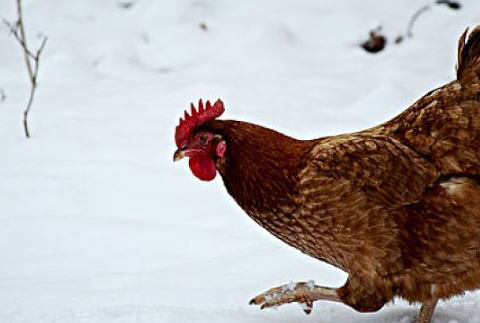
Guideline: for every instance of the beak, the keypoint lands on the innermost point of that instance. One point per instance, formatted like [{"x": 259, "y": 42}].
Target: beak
[{"x": 179, "y": 154}]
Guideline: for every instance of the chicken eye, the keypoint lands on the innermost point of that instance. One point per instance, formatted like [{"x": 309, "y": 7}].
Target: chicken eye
[{"x": 203, "y": 137}]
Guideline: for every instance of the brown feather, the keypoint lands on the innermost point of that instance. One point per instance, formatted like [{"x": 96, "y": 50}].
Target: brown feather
[{"x": 468, "y": 66}]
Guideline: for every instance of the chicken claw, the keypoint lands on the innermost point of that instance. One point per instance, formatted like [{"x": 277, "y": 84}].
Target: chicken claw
[{"x": 303, "y": 293}]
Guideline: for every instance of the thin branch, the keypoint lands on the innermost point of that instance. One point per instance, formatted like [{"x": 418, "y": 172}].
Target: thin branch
[
  {"x": 18, "y": 31},
  {"x": 451, "y": 4},
  {"x": 14, "y": 31},
  {"x": 3, "y": 96},
  {"x": 21, "y": 28},
  {"x": 414, "y": 19},
  {"x": 37, "y": 60}
]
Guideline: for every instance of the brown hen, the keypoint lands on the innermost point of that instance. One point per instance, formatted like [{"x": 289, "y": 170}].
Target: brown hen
[{"x": 396, "y": 206}]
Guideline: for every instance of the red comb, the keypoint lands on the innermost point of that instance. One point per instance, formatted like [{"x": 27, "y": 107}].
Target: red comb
[{"x": 186, "y": 126}]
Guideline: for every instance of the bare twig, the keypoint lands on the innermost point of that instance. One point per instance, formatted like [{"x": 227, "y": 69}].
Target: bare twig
[
  {"x": 414, "y": 19},
  {"x": 451, "y": 4},
  {"x": 400, "y": 38},
  {"x": 32, "y": 60}
]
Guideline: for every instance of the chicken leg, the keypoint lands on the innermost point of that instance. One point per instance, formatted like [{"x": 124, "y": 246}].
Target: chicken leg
[
  {"x": 307, "y": 293},
  {"x": 303, "y": 293},
  {"x": 426, "y": 311}
]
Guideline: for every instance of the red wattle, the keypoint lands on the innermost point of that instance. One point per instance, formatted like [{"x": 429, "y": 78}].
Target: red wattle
[{"x": 203, "y": 167}]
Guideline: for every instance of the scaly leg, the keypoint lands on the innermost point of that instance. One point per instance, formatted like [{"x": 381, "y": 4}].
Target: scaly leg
[
  {"x": 426, "y": 312},
  {"x": 303, "y": 293}
]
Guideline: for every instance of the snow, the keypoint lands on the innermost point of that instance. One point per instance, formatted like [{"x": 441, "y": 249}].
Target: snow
[
  {"x": 289, "y": 287},
  {"x": 98, "y": 224}
]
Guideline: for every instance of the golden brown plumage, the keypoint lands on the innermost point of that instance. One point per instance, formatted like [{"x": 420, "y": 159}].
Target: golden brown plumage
[{"x": 396, "y": 206}]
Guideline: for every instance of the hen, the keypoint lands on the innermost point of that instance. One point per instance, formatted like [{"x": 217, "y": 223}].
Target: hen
[{"x": 396, "y": 206}]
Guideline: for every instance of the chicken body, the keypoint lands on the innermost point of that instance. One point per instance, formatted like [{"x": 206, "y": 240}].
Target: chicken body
[
  {"x": 365, "y": 203},
  {"x": 396, "y": 206}
]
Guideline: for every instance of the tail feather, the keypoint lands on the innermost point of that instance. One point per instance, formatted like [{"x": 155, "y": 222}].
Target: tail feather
[{"x": 468, "y": 66}]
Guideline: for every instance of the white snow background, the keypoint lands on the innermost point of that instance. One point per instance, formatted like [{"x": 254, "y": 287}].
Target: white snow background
[{"x": 97, "y": 224}]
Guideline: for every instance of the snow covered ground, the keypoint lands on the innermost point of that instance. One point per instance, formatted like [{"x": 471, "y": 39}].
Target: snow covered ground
[{"x": 96, "y": 222}]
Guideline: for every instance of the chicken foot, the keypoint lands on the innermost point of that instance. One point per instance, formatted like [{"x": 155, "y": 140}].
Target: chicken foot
[
  {"x": 303, "y": 293},
  {"x": 426, "y": 311}
]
